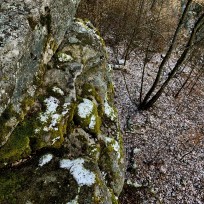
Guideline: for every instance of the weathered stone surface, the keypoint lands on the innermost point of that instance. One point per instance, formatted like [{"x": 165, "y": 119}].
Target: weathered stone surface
[
  {"x": 60, "y": 139},
  {"x": 30, "y": 33}
]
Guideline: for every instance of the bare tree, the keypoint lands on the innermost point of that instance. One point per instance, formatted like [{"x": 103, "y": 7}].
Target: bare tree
[{"x": 148, "y": 102}]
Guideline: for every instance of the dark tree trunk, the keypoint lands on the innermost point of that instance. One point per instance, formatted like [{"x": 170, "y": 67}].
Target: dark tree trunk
[
  {"x": 166, "y": 58},
  {"x": 179, "y": 62}
]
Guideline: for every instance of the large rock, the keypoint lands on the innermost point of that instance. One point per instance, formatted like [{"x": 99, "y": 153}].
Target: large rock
[
  {"x": 30, "y": 33},
  {"x": 59, "y": 136}
]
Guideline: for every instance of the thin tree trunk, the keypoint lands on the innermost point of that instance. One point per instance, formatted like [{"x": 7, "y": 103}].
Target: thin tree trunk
[
  {"x": 197, "y": 78},
  {"x": 167, "y": 56},
  {"x": 146, "y": 58},
  {"x": 185, "y": 82},
  {"x": 178, "y": 64},
  {"x": 132, "y": 37},
  {"x": 143, "y": 69},
  {"x": 128, "y": 46}
]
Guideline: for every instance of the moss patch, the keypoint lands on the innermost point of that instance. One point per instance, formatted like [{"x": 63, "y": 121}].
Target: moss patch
[
  {"x": 7, "y": 121},
  {"x": 90, "y": 92},
  {"x": 10, "y": 183},
  {"x": 17, "y": 145},
  {"x": 32, "y": 134}
]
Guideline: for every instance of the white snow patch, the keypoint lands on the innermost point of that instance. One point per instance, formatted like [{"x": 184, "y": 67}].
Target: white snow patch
[
  {"x": 45, "y": 159},
  {"x": 110, "y": 67},
  {"x": 55, "y": 140},
  {"x": 136, "y": 151},
  {"x": 58, "y": 90},
  {"x": 65, "y": 108},
  {"x": 31, "y": 90},
  {"x": 65, "y": 112},
  {"x": 108, "y": 140},
  {"x": 121, "y": 62},
  {"x": 104, "y": 176},
  {"x": 66, "y": 105},
  {"x": 2, "y": 91},
  {"x": 85, "y": 108},
  {"x": 83, "y": 28},
  {"x": 55, "y": 119},
  {"x": 51, "y": 104},
  {"x": 81, "y": 175},
  {"x": 75, "y": 201},
  {"x": 93, "y": 122},
  {"x": 37, "y": 130},
  {"x": 46, "y": 129},
  {"x": 109, "y": 110},
  {"x": 135, "y": 184},
  {"x": 116, "y": 147}
]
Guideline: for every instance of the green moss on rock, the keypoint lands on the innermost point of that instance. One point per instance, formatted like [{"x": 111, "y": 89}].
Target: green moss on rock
[
  {"x": 10, "y": 184},
  {"x": 67, "y": 118},
  {"x": 8, "y": 119},
  {"x": 89, "y": 91},
  {"x": 18, "y": 145}
]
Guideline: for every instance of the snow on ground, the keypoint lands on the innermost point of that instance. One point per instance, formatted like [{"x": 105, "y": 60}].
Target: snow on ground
[{"x": 164, "y": 145}]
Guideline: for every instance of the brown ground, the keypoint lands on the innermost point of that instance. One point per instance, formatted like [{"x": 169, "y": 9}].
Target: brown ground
[{"x": 165, "y": 145}]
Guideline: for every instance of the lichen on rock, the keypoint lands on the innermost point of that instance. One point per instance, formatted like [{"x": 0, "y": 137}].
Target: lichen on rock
[{"x": 59, "y": 128}]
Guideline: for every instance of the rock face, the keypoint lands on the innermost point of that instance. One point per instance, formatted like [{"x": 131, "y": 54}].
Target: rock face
[{"x": 59, "y": 136}]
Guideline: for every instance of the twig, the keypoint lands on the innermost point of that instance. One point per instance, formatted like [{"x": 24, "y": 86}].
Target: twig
[{"x": 188, "y": 152}]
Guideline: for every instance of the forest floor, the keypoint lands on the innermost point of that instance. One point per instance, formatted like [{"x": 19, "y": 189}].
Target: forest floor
[{"x": 165, "y": 145}]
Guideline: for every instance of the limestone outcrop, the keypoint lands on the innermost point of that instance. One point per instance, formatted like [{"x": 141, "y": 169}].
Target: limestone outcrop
[{"x": 60, "y": 140}]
